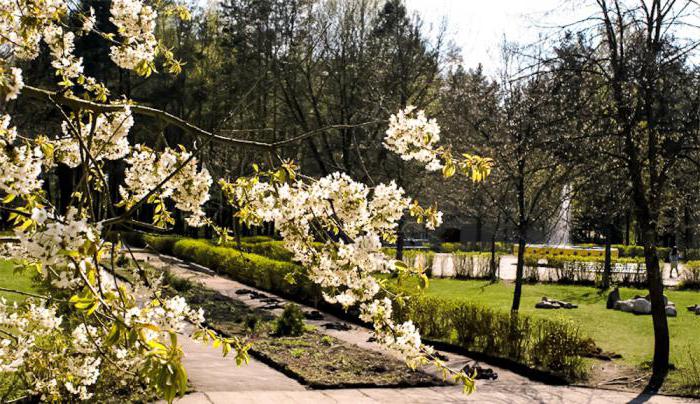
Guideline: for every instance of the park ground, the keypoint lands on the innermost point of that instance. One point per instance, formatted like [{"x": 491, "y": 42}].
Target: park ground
[{"x": 614, "y": 331}]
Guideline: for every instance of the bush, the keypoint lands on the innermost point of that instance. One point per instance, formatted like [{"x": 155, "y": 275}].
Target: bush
[
  {"x": 551, "y": 345},
  {"x": 131, "y": 238},
  {"x": 291, "y": 322},
  {"x": 474, "y": 265},
  {"x": 252, "y": 269},
  {"x": 271, "y": 249},
  {"x": 637, "y": 251},
  {"x": 256, "y": 239},
  {"x": 162, "y": 244},
  {"x": 584, "y": 270},
  {"x": 690, "y": 277},
  {"x": 691, "y": 254},
  {"x": 501, "y": 247}
]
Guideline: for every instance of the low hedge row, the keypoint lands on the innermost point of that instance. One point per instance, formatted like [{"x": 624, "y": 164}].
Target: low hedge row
[
  {"x": 690, "y": 277},
  {"x": 551, "y": 345},
  {"x": 251, "y": 269},
  {"x": 271, "y": 249}
]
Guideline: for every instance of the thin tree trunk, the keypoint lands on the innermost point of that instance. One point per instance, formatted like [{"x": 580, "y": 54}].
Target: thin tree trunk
[
  {"x": 658, "y": 312},
  {"x": 519, "y": 274},
  {"x": 607, "y": 271},
  {"x": 400, "y": 239},
  {"x": 494, "y": 269}
]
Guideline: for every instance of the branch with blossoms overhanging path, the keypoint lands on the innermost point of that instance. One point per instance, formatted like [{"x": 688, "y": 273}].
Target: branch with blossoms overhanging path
[{"x": 93, "y": 329}]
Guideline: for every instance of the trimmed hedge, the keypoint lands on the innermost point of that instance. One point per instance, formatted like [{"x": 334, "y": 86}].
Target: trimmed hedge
[
  {"x": 551, "y": 345},
  {"x": 271, "y": 249},
  {"x": 637, "y": 251},
  {"x": 252, "y": 269},
  {"x": 690, "y": 277},
  {"x": 584, "y": 270}
]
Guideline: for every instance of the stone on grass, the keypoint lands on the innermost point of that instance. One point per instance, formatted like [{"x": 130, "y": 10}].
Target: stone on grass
[
  {"x": 613, "y": 298},
  {"x": 641, "y": 306},
  {"x": 548, "y": 303},
  {"x": 624, "y": 305},
  {"x": 671, "y": 311},
  {"x": 666, "y": 302}
]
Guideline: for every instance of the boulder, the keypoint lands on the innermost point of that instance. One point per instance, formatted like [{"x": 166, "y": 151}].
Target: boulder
[
  {"x": 671, "y": 311},
  {"x": 548, "y": 303},
  {"x": 648, "y": 297},
  {"x": 613, "y": 298},
  {"x": 625, "y": 305},
  {"x": 641, "y": 306}
]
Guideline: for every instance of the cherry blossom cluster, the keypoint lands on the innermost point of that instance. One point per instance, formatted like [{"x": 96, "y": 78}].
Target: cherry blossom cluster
[
  {"x": 62, "y": 45},
  {"x": 414, "y": 137},
  {"x": 20, "y": 164},
  {"x": 188, "y": 187},
  {"x": 53, "y": 370},
  {"x": 12, "y": 82},
  {"x": 136, "y": 23},
  {"x": 104, "y": 137},
  {"x": 356, "y": 219},
  {"x": 21, "y": 35}
]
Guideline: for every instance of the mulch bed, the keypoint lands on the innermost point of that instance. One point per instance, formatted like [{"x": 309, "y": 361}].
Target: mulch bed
[{"x": 314, "y": 359}]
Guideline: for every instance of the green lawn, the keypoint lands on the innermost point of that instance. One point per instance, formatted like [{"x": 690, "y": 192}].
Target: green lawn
[
  {"x": 17, "y": 281},
  {"x": 624, "y": 333}
]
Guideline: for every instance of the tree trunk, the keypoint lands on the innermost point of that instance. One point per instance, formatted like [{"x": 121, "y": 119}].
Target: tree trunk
[
  {"x": 607, "y": 271},
  {"x": 519, "y": 274},
  {"x": 493, "y": 268},
  {"x": 479, "y": 231},
  {"x": 658, "y": 311},
  {"x": 400, "y": 239}
]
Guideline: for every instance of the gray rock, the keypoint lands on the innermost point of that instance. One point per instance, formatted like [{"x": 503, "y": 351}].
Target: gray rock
[
  {"x": 548, "y": 303},
  {"x": 641, "y": 306},
  {"x": 613, "y": 298},
  {"x": 648, "y": 297},
  {"x": 671, "y": 311},
  {"x": 625, "y": 305},
  {"x": 545, "y": 305}
]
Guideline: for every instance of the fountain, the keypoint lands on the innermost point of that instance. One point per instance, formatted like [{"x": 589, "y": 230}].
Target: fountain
[
  {"x": 560, "y": 234},
  {"x": 559, "y": 239}
]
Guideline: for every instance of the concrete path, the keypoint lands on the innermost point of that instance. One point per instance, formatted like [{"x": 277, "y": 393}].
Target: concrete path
[
  {"x": 218, "y": 380},
  {"x": 507, "y": 270},
  {"x": 432, "y": 395},
  {"x": 209, "y": 371}
]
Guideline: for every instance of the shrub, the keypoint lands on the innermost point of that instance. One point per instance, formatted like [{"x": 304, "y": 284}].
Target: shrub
[
  {"x": 252, "y": 269},
  {"x": 690, "y": 277},
  {"x": 163, "y": 244},
  {"x": 691, "y": 254},
  {"x": 474, "y": 265},
  {"x": 256, "y": 239},
  {"x": 131, "y": 238},
  {"x": 637, "y": 251},
  {"x": 690, "y": 372},
  {"x": 550, "y": 344},
  {"x": 585, "y": 270},
  {"x": 291, "y": 322}
]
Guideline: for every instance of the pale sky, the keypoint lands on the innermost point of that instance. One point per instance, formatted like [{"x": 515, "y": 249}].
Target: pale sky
[{"x": 478, "y": 26}]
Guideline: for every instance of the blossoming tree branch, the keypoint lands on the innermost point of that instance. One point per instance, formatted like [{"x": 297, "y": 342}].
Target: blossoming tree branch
[{"x": 92, "y": 332}]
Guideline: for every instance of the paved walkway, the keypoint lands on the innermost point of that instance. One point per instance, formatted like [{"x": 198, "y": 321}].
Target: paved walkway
[
  {"x": 218, "y": 380},
  {"x": 507, "y": 270}
]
